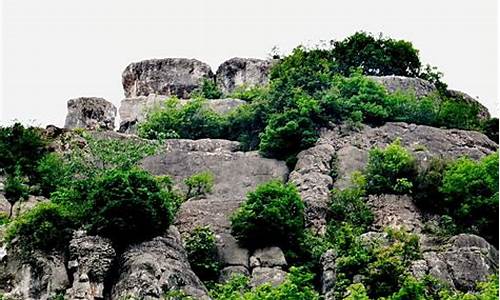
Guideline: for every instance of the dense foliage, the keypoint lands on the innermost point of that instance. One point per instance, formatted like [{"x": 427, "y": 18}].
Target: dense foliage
[
  {"x": 376, "y": 55},
  {"x": 202, "y": 254},
  {"x": 272, "y": 215},
  {"x": 297, "y": 286},
  {"x": 390, "y": 170}
]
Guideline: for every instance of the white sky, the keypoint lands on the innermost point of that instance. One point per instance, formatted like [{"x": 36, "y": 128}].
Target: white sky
[{"x": 55, "y": 50}]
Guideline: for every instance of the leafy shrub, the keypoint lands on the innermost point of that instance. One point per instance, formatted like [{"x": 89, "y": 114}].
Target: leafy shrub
[
  {"x": 129, "y": 206},
  {"x": 490, "y": 128},
  {"x": 470, "y": 193},
  {"x": 273, "y": 214},
  {"x": 308, "y": 71},
  {"x": 51, "y": 172},
  {"x": 21, "y": 147},
  {"x": 390, "y": 170},
  {"x": 208, "y": 90},
  {"x": 46, "y": 227},
  {"x": 458, "y": 114},
  {"x": 15, "y": 188},
  {"x": 250, "y": 93},
  {"x": 199, "y": 184},
  {"x": 427, "y": 184},
  {"x": 376, "y": 55},
  {"x": 193, "y": 120},
  {"x": 202, "y": 253},
  {"x": 297, "y": 286},
  {"x": 349, "y": 206}
]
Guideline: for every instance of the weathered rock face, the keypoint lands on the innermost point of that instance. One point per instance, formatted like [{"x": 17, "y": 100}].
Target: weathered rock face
[
  {"x": 90, "y": 113},
  {"x": 42, "y": 279},
  {"x": 236, "y": 173},
  {"x": 242, "y": 72},
  {"x": 396, "y": 211},
  {"x": 150, "y": 269},
  {"x": 134, "y": 110},
  {"x": 168, "y": 77},
  {"x": 267, "y": 266},
  {"x": 461, "y": 263},
  {"x": 349, "y": 153},
  {"x": 90, "y": 262},
  {"x": 20, "y": 207},
  {"x": 328, "y": 274},
  {"x": 406, "y": 84}
]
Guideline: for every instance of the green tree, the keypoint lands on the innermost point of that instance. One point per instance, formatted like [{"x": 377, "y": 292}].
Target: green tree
[
  {"x": 201, "y": 249},
  {"x": 273, "y": 214}
]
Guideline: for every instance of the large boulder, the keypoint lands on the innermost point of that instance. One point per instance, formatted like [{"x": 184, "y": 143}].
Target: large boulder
[
  {"x": 337, "y": 155},
  {"x": 236, "y": 173},
  {"x": 463, "y": 261},
  {"x": 242, "y": 72},
  {"x": 267, "y": 266},
  {"x": 134, "y": 110},
  {"x": 396, "y": 211},
  {"x": 90, "y": 261},
  {"x": 169, "y": 77},
  {"x": 393, "y": 84},
  {"x": 90, "y": 113},
  {"x": 41, "y": 278},
  {"x": 151, "y": 269}
]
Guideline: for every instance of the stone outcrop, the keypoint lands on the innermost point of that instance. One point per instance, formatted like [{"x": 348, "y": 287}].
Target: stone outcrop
[
  {"x": 340, "y": 154},
  {"x": 90, "y": 262},
  {"x": 461, "y": 263},
  {"x": 328, "y": 274},
  {"x": 420, "y": 87},
  {"x": 134, "y": 110},
  {"x": 242, "y": 72},
  {"x": 42, "y": 278},
  {"x": 235, "y": 173},
  {"x": 169, "y": 77},
  {"x": 90, "y": 113},
  {"x": 396, "y": 211},
  {"x": 153, "y": 268},
  {"x": 267, "y": 266},
  {"x": 20, "y": 207}
]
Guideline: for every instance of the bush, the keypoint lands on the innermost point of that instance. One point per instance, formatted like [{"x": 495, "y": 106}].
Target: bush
[
  {"x": 15, "y": 188},
  {"x": 272, "y": 215},
  {"x": 470, "y": 193},
  {"x": 46, "y": 227},
  {"x": 349, "y": 206},
  {"x": 427, "y": 184},
  {"x": 289, "y": 132},
  {"x": 458, "y": 114},
  {"x": 201, "y": 249},
  {"x": 376, "y": 55},
  {"x": 51, "y": 172},
  {"x": 250, "y": 93},
  {"x": 129, "y": 206},
  {"x": 208, "y": 90},
  {"x": 390, "y": 170},
  {"x": 490, "y": 128},
  {"x": 199, "y": 184},
  {"x": 297, "y": 286},
  {"x": 193, "y": 120},
  {"x": 21, "y": 147}
]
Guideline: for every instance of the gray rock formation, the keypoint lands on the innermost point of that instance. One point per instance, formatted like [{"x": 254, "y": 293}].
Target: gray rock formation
[
  {"x": 90, "y": 113},
  {"x": 267, "y": 266},
  {"x": 134, "y": 110},
  {"x": 90, "y": 262},
  {"x": 461, "y": 263},
  {"x": 153, "y": 268},
  {"x": 393, "y": 84},
  {"x": 396, "y": 211},
  {"x": 168, "y": 77},
  {"x": 41, "y": 279},
  {"x": 235, "y": 173},
  {"x": 328, "y": 274},
  {"x": 242, "y": 72},
  {"x": 341, "y": 154},
  {"x": 20, "y": 207}
]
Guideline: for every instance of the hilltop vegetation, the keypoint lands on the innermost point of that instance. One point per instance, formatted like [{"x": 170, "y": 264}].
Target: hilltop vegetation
[{"x": 99, "y": 187}]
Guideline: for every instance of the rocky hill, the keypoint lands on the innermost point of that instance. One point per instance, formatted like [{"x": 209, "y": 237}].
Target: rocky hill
[{"x": 93, "y": 266}]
